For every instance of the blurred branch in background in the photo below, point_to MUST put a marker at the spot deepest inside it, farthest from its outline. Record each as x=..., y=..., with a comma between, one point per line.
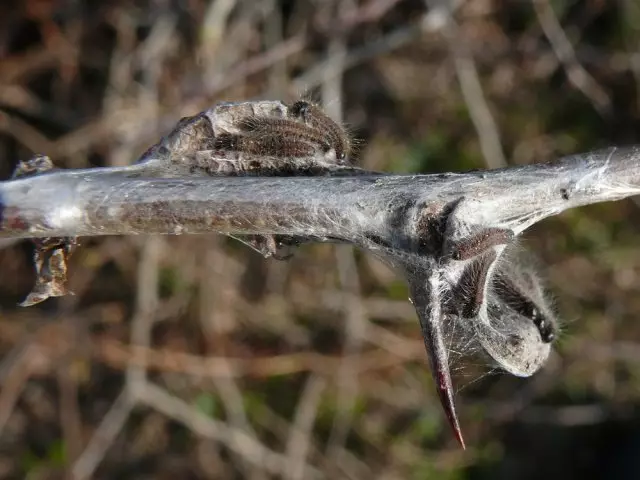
x=577, y=75
x=471, y=88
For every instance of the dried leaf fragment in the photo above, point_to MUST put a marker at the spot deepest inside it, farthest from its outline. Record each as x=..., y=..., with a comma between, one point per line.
x=51, y=255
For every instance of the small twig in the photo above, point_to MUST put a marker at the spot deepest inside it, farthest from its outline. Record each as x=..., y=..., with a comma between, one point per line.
x=136, y=373
x=25, y=133
x=212, y=31
x=430, y=22
x=104, y=436
x=13, y=383
x=471, y=87
x=278, y=53
x=146, y=305
x=273, y=36
x=236, y=440
x=631, y=14
x=565, y=52
x=214, y=317
x=118, y=355
x=302, y=428
x=215, y=311
x=69, y=411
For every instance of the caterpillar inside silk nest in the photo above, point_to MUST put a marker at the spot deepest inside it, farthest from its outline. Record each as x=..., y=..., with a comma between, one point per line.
x=514, y=319
x=481, y=291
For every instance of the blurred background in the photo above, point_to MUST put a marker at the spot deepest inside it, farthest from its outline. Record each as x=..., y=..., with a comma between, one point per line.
x=194, y=357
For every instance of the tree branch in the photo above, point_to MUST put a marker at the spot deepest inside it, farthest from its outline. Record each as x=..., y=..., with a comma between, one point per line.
x=116, y=201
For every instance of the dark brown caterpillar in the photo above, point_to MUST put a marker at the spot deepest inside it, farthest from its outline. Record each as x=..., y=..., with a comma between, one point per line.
x=312, y=115
x=514, y=288
x=471, y=288
x=265, y=127
x=303, y=133
x=520, y=289
x=269, y=145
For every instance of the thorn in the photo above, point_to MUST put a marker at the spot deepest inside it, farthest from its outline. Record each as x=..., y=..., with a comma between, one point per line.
x=431, y=325
x=445, y=392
